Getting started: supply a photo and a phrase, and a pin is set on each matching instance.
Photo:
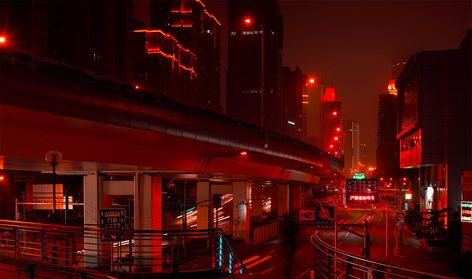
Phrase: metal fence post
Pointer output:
(43, 247)
(17, 243)
(74, 249)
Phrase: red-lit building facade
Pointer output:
(435, 122)
(254, 83)
(178, 52)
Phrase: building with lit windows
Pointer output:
(332, 124)
(254, 80)
(351, 147)
(294, 89)
(434, 122)
(74, 32)
(178, 45)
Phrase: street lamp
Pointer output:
(53, 158)
(249, 22)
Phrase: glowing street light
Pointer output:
(247, 20)
(311, 81)
(3, 40)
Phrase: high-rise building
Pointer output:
(351, 147)
(181, 39)
(363, 153)
(74, 32)
(254, 63)
(435, 99)
(387, 152)
(294, 87)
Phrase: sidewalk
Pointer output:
(415, 254)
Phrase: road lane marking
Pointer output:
(258, 262)
(267, 270)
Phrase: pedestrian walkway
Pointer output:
(415, 254)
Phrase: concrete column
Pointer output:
(241, 211)
(283, 200)
(257, 196)
(296, 198)
(148, 216)
(92, 199)
(203, 205)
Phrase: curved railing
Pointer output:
(139, 251)
(333, 263)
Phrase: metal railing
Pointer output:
(119, 250)
(333, 263)
(15, 268)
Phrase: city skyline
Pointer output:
(352, 45)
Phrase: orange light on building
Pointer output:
(243, 153)
(2, 177)
(338, 129)
(408, 195)
(311, 81)
(331, 146)
(336, 138)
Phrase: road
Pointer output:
(267, 261)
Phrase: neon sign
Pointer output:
(466, 211)
(358, 176)
(362, 198)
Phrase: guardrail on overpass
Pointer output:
(333, 263)
(139, 251)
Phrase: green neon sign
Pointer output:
(358, 176)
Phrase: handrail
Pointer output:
(140, 251)
(355, 266)
(33, 267)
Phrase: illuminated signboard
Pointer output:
(362, 198)
(362, 190)
(358, 176)
(466, 211)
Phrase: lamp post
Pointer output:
(249, 22)
(53, 158)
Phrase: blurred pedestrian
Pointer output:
(288, 241)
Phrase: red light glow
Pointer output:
(331, 146)
(136, 87)
(336, 138)
(3, 40)
(338, 129)
(335, 113)
(2, 177)
(247, 20)
(243, 153)
(311, 81)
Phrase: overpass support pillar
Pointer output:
(283, 200)
(148, 216)
(203, 205)
(296, 197)
(241, 211)
(92, 197)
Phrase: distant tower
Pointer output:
(351, 147)
(355, 130)
(254, 63)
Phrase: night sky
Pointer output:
(353, 44)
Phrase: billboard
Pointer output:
(362, 191)
(112, 219)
